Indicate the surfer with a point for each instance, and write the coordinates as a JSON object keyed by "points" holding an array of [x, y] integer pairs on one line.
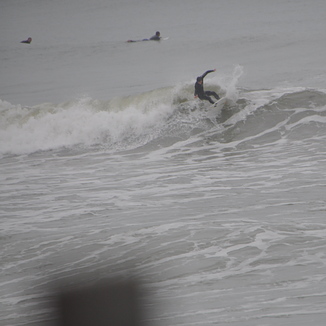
{"points": [[156, 37], [199, 88], [28, 41]]}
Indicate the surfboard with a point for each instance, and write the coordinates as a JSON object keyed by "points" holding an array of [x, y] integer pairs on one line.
{"points": [[215, 109]]}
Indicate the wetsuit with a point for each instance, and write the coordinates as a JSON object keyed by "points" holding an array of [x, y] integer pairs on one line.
{"points": [[28, 41], [199, 89], [155, 37]]}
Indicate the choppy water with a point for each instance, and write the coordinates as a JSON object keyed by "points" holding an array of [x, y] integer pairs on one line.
{"points": [[223, 219]]}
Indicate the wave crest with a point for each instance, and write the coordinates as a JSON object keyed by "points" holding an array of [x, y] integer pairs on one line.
{"points": [[159, 117]]}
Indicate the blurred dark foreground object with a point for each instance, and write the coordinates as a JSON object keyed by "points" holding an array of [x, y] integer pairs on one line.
{"points": [[111, 303]]}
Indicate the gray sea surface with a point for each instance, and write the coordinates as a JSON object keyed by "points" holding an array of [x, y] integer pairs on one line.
{"points": [[109, 168]]}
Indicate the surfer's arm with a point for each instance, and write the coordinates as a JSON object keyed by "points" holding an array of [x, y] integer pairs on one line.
{"points": [[207, 72]]}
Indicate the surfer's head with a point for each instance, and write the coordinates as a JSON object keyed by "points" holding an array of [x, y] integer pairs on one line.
{"points": [[199, 79], [157, 33]]}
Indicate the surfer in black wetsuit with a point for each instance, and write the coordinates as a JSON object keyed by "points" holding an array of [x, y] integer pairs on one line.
{"points": [[199, 88], [28, 41], [156, 37]]}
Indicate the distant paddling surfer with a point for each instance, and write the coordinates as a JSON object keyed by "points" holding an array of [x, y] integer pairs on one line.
{"points": [[156, 37], [28, 41], [199, 88]]}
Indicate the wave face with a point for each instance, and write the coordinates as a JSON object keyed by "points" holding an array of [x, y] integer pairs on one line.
{"points": [[163, 117]]}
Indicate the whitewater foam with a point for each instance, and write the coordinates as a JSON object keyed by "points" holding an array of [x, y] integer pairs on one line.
{"points": [[120, 123]]}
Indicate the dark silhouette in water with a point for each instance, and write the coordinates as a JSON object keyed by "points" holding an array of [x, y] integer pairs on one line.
{"points": [[28, 41], [199, 88], [156, 37]]}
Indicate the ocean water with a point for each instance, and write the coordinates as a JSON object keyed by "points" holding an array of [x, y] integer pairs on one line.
{"points": [[110, 168]]}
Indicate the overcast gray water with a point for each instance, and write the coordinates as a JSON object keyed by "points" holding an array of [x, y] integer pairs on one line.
{"points": [[110, 168]]}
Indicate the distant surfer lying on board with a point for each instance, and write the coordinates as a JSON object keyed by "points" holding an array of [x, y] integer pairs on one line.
{"points": [[156, 37], [199, 88], [28, 41]]}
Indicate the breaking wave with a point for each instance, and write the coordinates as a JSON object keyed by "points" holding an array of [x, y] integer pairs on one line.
{"points": [[161, 117]]}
